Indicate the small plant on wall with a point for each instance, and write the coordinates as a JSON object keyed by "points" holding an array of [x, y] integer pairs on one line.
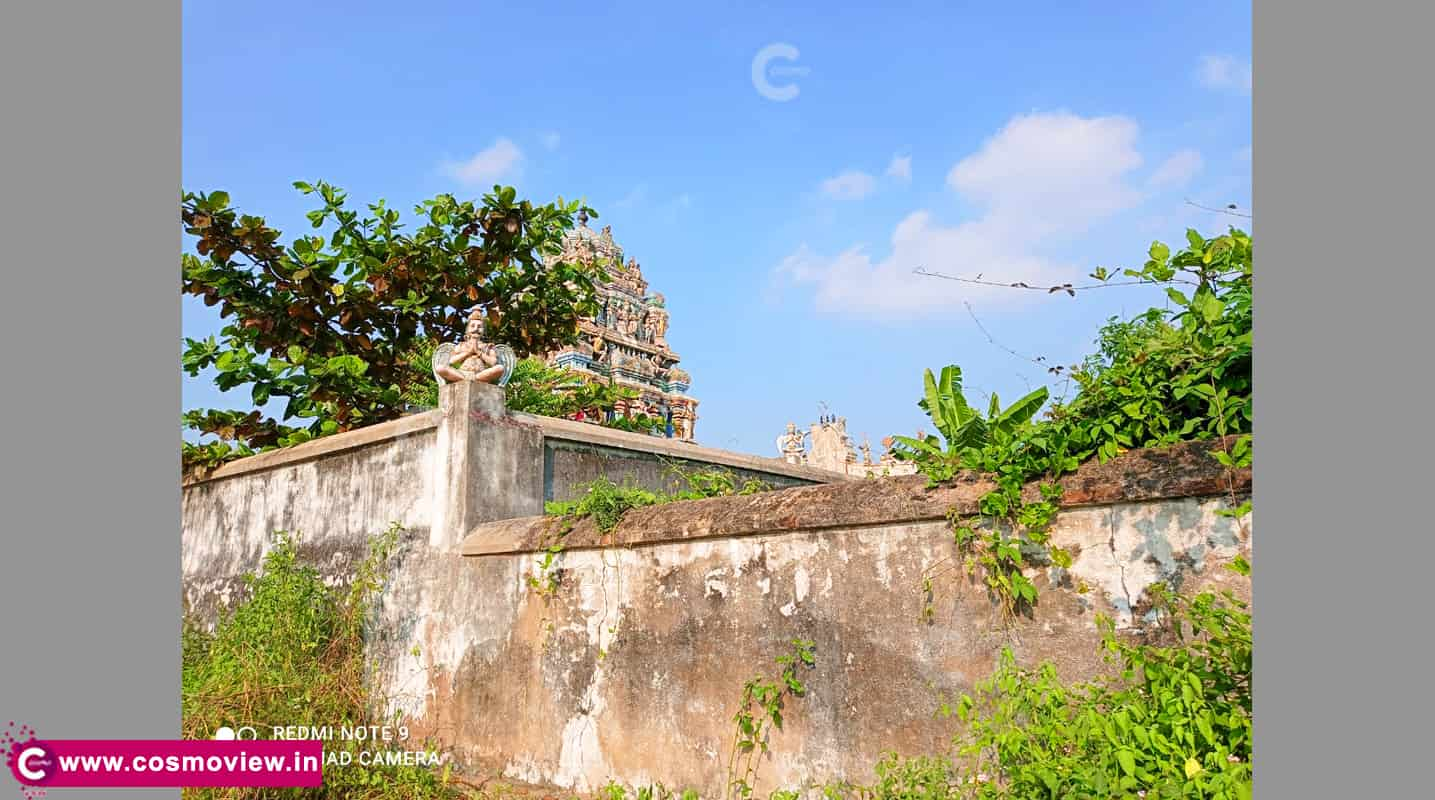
{"points": [[760, 712], [605, 502]]}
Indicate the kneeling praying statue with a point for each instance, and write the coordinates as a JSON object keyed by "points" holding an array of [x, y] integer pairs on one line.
{"points": [[473, 359]]}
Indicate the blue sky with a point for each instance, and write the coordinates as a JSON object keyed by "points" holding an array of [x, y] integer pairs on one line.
{"points": [[1020, 142]]}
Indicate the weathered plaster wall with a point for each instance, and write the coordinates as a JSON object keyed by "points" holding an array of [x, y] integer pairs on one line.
{"points": [[438, 474], [633, 669], [334, 502]]}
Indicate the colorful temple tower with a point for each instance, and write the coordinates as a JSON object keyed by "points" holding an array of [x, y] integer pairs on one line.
{"points": [[626, 341]]}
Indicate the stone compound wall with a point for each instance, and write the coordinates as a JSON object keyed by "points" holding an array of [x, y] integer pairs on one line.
{"points": [[438, 474], [633, 668]]}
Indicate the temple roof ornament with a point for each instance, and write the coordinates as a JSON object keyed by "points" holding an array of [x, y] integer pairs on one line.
{"points": [[831, 449]]}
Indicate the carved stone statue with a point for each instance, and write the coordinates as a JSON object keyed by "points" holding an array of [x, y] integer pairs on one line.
{"points": [[790, 445], [473, 359]]}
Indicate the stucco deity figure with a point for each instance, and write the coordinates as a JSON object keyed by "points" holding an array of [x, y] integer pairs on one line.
{"points": [[657, 327], [790, 445], [473, 359]]}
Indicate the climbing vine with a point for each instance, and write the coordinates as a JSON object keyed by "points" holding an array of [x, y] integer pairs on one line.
{"points": [[1159, 378]]}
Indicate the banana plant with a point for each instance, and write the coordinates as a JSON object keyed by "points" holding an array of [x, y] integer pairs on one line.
{"points": [[964, 430]]}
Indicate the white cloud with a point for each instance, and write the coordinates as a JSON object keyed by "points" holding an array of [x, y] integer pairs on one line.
{"points": [[1226, 73], [850, 185], [493, 164], [1055, 172], [1176, 170], [1041, 176], [854, 282], [551, 140], [900, 168]]}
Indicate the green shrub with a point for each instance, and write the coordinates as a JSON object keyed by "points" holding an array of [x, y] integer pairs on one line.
{"points": [[1175, 721], [1159, 378], [292, 652], [606, 501]]}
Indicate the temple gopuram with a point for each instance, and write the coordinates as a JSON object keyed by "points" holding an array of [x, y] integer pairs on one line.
{"points": [[625, 341]]}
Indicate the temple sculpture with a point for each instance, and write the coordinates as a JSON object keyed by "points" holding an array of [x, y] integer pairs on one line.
{"points": [[473, 359], [626, 341], [791, 445], [832, 450]]}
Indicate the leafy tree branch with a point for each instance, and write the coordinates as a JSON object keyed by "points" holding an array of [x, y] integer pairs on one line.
{"points": [[329, 322]]}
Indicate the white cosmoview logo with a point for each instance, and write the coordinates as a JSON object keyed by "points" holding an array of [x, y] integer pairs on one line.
{"points": [[763, 71], [33, 763]]}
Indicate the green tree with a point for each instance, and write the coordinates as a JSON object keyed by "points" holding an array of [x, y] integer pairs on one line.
{"points": [[330, 321]]}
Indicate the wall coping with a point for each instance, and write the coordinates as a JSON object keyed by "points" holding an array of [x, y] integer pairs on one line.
{"points": [[588, 433], [552, 427], [1179, 471], [323, 446]]}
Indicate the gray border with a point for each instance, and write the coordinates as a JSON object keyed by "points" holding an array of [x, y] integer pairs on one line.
{"points": [[1342, 601], [91, 170], [89, 572]]}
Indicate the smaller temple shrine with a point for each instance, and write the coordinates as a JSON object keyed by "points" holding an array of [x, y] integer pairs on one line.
{"points": [[831, 449], [627, 341]]}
